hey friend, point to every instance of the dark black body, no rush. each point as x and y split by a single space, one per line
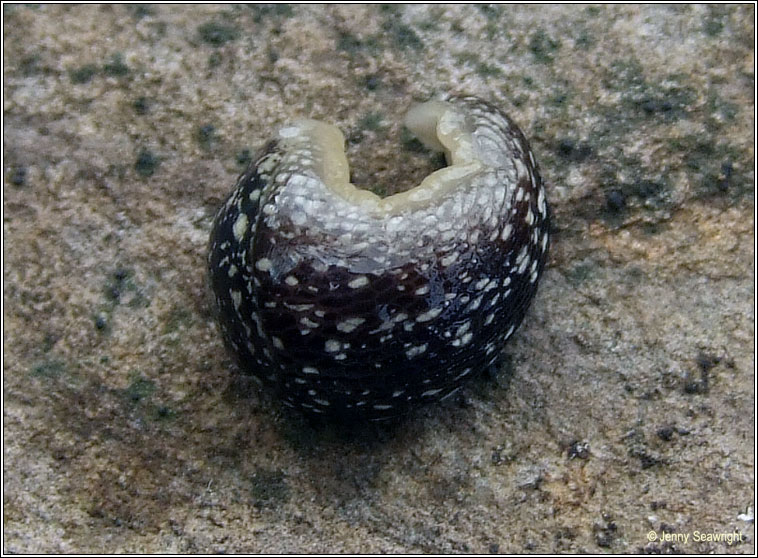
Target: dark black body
328 348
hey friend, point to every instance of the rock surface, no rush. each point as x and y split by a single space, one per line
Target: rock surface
626 402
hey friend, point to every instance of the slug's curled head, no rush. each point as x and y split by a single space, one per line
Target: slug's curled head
348 303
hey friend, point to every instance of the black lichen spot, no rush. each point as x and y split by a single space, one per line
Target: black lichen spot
243 157
695 386
578 449
489 11
637 448
113 291
584 40
646 458
122 274
117 283
48 369
711 165
276 11
656 105
371 121
101 323
488 70
164 412
467 58
206 136
726 174
214 60
402 36
699 384
431 23
348 42
699 152
592 11
139 388
664 98
217 34
605 533
668 103
572 150
177 319
146 163
543 47
615 201
457 27
499 455
17 176
372 82
141 105
642 192
30 65
141 10
581 272
713 23
646 189
49 341
83 74
706 361
559 98
665 433
411 143
268 487
721 109
390 10
116 66
652 229
624 75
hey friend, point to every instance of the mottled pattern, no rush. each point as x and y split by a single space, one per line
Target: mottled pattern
347 311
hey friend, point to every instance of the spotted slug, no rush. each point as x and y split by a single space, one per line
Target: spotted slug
349 304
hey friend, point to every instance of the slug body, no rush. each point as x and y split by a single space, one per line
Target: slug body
351 304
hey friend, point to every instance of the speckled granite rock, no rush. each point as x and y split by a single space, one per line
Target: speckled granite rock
625 404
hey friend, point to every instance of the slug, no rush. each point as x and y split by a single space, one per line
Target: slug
349 304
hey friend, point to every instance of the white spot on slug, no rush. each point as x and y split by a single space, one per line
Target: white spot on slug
415 351
308 322
358 282
240 226
264 264
449 259
429 315
350 324
289 132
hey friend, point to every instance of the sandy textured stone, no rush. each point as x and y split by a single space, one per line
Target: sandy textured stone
625 403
